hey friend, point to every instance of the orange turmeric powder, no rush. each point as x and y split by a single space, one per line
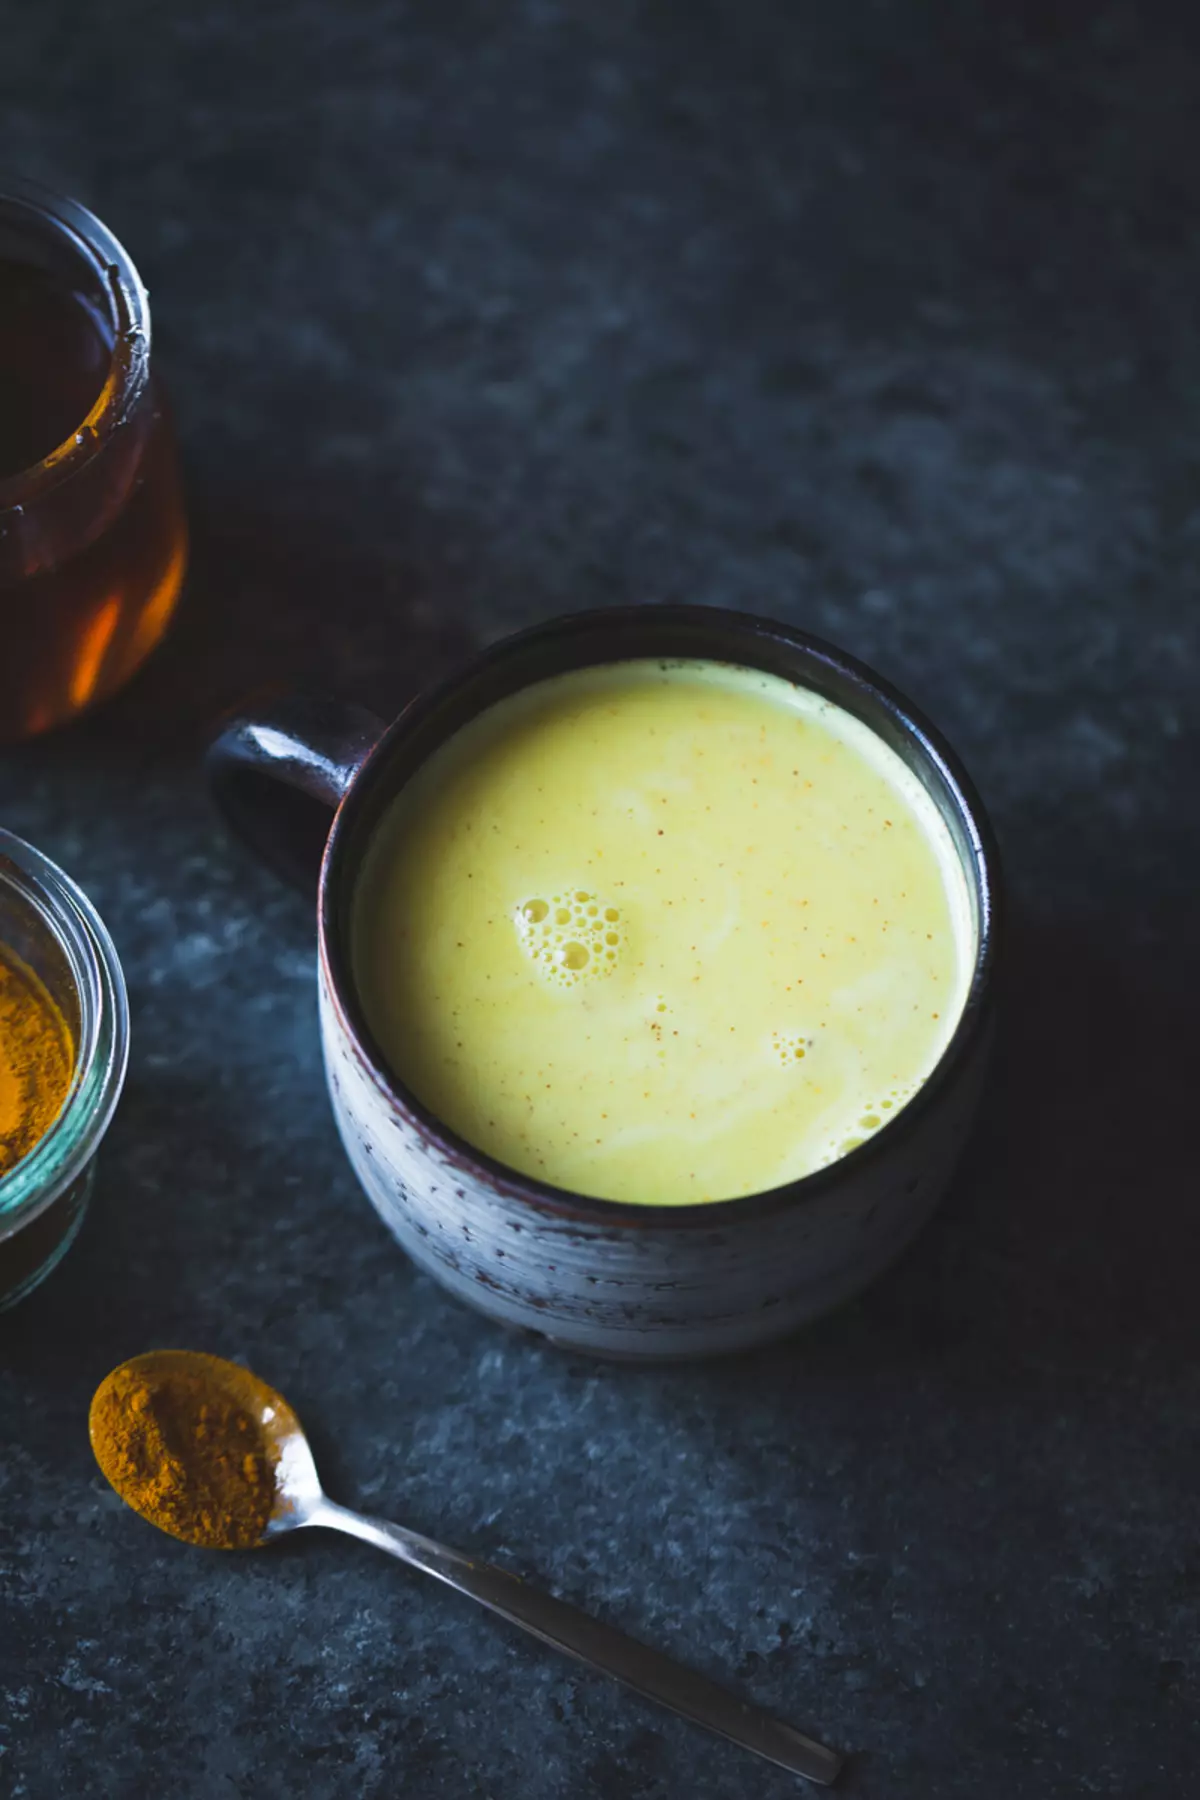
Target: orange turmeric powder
36 1061
184 1450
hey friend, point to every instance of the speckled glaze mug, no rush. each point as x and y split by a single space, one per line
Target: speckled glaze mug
635 1281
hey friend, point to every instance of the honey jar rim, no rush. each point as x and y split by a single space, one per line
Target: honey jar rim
113 272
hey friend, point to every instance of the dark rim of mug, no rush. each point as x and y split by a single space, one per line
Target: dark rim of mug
113 272
722 636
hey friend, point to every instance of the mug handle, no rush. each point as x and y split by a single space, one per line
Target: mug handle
279 774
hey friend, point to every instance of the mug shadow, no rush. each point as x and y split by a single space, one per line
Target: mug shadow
1071 1235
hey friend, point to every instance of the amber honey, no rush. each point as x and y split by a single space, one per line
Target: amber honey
93 540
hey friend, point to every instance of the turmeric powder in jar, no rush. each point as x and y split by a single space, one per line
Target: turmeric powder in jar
36 1060
64 1045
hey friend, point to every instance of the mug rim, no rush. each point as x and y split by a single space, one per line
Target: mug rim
983 873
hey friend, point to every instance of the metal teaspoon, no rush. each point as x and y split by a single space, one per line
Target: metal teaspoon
300 1501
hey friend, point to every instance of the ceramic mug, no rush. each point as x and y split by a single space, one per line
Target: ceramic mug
305 784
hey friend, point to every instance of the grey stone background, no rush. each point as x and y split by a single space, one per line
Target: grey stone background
883 317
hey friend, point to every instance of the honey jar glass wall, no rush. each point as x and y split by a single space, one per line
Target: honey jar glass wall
93 540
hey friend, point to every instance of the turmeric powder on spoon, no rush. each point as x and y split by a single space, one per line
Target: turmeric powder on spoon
181 1437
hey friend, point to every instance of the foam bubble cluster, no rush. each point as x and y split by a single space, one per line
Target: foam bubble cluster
874 1115
571 937
791 1047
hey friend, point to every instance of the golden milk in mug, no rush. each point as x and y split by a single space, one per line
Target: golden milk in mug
663 932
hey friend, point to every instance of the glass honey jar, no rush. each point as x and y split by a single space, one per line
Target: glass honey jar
93 538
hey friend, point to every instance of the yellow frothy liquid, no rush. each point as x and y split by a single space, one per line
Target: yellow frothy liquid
663 932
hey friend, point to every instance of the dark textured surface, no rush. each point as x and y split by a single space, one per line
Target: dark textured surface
882 317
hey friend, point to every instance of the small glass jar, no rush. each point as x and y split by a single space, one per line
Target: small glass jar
54 929
93 537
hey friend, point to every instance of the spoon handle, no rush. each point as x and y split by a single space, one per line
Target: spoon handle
601 1646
